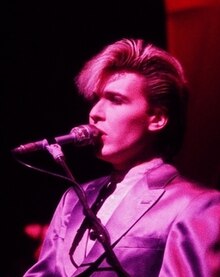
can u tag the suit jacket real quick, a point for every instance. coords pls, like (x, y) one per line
(165, 226)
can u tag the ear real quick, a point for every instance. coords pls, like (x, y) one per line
(157, 120)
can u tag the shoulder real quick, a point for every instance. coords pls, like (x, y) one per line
(193, 188)
(194, 199)
(200, 210)
(182, 192)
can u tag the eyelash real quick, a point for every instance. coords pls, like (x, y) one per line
(115, 100)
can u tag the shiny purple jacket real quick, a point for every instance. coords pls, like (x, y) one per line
(166, 226)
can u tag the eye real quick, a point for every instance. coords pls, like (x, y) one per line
(115, 98)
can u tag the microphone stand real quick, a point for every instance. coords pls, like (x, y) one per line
(99, 230)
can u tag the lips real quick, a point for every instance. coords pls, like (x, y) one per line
(102, 132)
(97, 134)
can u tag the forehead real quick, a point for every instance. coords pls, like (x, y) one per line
(123, 81)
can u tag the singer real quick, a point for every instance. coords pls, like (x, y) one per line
(159, 222)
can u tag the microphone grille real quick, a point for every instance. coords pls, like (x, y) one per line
(85, 134)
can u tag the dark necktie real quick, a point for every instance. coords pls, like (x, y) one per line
(104, 193)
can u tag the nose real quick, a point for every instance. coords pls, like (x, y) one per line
(97, 112)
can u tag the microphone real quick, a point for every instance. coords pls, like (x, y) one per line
(80, 136)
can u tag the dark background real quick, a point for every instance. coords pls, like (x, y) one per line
(43, 47)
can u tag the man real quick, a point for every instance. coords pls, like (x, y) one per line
(158, 223)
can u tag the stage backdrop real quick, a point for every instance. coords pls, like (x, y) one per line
(193, 35)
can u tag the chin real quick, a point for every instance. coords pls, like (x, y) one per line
(107, 155)
(104, 156)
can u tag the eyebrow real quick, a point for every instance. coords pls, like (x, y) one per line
(115, 94)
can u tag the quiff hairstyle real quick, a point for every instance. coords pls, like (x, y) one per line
(166, 85)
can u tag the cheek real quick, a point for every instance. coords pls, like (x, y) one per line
(129, 132)
(136, 125)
